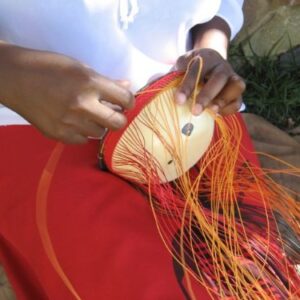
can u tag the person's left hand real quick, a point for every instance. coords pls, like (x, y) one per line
(222, 88)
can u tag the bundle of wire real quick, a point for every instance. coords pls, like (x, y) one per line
(227, 224)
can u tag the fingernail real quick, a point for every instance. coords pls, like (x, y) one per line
(131, 102)
(215, 108)
(124, 83)
(197, 109)
(180, 98)
(235, 77)
(119, 121)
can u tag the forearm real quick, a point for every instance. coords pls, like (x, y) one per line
(214, 34)
(9, 74)
(22, 70)
(223, 87)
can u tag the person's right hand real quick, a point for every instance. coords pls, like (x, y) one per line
(62, 97)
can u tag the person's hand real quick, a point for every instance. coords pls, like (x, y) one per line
(222, 87)
(63, 98)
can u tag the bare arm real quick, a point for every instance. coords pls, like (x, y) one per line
(212, 35)
(59, 95)
(223, 87)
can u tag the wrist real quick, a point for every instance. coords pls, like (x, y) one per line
(8, 75)
(15, 74)
(214, 34)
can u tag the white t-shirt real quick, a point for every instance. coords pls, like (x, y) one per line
(121, 39)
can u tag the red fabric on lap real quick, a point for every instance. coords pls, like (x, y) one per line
(102, 229)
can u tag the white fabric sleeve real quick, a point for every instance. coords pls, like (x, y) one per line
(231, 12)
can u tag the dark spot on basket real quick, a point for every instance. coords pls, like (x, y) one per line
(187, 129)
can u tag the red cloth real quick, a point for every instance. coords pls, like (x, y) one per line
(102, 229)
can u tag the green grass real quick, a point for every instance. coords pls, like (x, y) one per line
(273, 87)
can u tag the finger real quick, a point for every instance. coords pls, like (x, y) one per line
(233, 90)
(231, 107)
(90, 129)
(75, 138)
(69, 135)
(183, 61)
(124, 83)
(210, 90)
(83, 125)
(189, 82)
(103, 115)
(112, 106)
(114, 92)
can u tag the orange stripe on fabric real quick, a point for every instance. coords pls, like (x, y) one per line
(41, 215)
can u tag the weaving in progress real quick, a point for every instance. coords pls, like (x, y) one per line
(227, 225)
(126, 171)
